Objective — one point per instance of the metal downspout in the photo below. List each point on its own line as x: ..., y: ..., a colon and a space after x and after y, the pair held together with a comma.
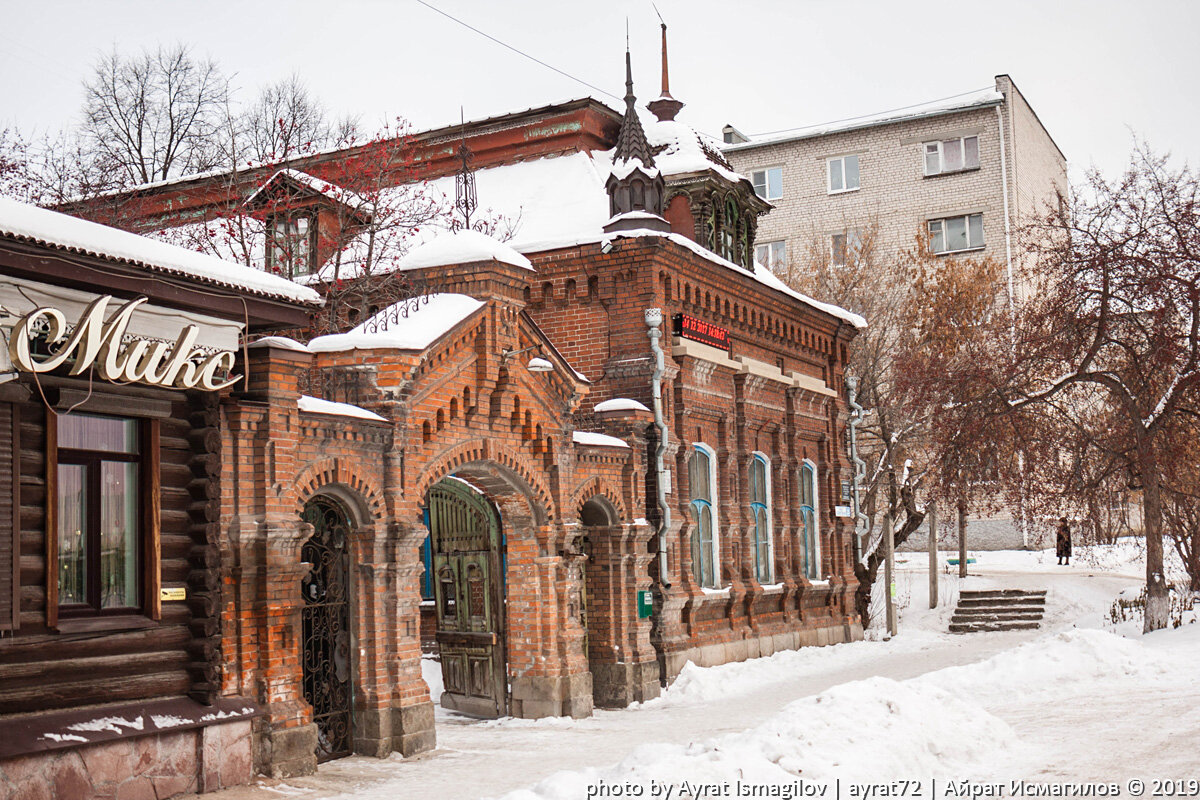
x: 653, y: 324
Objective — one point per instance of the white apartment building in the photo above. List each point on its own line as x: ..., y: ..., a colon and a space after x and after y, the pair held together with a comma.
x: 966, y: 170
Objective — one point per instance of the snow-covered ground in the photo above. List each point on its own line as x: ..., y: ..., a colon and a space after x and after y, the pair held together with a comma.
x: 1075, y: 700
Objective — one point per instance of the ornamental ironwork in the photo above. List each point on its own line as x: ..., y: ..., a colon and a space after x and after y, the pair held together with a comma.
x: 326, y: 655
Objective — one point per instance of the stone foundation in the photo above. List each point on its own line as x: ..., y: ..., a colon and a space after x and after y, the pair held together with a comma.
x: 711, y: 655
x: 618, y: 685
x: 566, y: 696
x: 151, y: 767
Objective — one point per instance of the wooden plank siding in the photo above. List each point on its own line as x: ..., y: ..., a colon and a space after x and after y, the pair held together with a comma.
x: 44, y: 669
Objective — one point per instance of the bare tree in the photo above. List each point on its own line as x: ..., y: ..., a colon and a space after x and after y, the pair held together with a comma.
x: 287, y: 121
x: 1102, y: 354
x: 918, y: 307
x: 155, y: 115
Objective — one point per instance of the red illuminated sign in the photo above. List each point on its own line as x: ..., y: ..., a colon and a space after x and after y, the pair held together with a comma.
x: 700, y: 331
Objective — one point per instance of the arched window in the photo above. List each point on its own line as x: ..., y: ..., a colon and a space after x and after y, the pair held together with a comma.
x: 810, y: 530
x: 729, y: 231
x: 703, y: 479
x: 760, y: 511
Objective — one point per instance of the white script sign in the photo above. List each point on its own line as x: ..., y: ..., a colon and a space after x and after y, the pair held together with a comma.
x: 95, y: 342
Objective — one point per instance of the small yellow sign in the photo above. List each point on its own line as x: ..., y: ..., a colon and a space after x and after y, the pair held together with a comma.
x: 173, y: 593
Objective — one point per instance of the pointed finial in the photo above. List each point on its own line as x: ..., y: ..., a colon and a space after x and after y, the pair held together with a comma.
x: 664, y: 107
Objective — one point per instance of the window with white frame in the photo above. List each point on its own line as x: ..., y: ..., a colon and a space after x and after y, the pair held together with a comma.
x: 290, y: 245
x: 952, y: 155
x: 810, y: 521
x: 771, y: 255
x: 703, y: 479
x: 760, y: 512
x: 768, y: 182
x: 844, y: 247
x: 842, y: 173
x: 954, y: 234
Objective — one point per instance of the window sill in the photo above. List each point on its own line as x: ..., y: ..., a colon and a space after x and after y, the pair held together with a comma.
x: 960, y: 252
x: 951, y: 172
x: 715, y: 592
x: 820, y: 584
x: 833, y: 192
x: 772, y: 588
x: 97, y: 624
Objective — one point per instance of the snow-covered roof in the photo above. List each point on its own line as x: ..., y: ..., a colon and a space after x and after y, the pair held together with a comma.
x: 330, y: 190
x: 315, y: 405
x: 597, y: 439
x: 620, y: 404
x: 686, y: 150
x: 282, y: 342
x: 461, y: 247
x: 978, y: 98
x: 429, y: 318
x: 25, y: 222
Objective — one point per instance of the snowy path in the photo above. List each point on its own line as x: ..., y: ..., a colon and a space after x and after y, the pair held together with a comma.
x: 486, y: 759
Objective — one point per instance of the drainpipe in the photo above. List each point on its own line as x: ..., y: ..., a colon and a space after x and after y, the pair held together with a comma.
x: 1011, y: 300
x: 653, y: 323
x: 861, y: 523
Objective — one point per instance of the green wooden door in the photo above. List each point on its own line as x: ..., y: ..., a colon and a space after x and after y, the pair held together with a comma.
x: 468, y: 591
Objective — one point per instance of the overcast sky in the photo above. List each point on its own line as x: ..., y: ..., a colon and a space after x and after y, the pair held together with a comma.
x: 1095, y: 71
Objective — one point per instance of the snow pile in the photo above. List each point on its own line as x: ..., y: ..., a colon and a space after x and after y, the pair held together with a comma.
x: 1078, y: 656
x: 877, y: 729
x: 461, y: 247
x: 23, y: 221
x: 315, y: 405
x: 873, y: 729
x: 431, y: 671
x: 282, y: 342
x: 620, y: 404
x: 429, y: 318
x: 597, y: 439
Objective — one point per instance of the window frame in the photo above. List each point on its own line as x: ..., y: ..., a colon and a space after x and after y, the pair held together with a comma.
x: 758, y: 457
x: 971, y: 245
x: 851, y: 242
x: 766, y: 173
x: 941, y: 157
x: 770, y: 263
x: 271, y: 257
x: 73, y: 618
x: 812, y: 568
x: 829, y: 162
x: 696, y: 505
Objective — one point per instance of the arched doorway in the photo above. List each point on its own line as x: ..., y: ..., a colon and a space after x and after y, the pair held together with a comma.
x: 327, y: 652
x: 468, y: 585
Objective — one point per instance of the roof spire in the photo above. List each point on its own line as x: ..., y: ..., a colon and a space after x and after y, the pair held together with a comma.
x: 635, y: 190
x: 664, y: 107
x: 631, y: 140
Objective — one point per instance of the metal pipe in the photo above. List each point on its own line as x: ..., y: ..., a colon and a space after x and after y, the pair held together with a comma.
x: 862, y: 525
x: 654, y: 319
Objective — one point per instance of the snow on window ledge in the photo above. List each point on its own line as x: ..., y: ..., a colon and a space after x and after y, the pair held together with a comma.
x: 715, y: 592
x: 772, y: 588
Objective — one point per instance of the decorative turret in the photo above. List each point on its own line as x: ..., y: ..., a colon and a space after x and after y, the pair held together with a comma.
x: 665, y: 107
x: 635, y: 187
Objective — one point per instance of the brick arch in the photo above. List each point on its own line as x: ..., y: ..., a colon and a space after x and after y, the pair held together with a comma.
x: 336, y: 472
x: 484, y: 451
x: 597, y: 486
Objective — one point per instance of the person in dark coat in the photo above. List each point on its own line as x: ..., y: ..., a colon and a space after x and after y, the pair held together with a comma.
x: 1063, y: 545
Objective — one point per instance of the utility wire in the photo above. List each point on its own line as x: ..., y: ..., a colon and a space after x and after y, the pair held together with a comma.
x: 515, y: 50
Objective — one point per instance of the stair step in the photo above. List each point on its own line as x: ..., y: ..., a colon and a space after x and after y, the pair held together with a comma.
x: 971, y: 618
x: 1001, y: 604
x: 1002, y: 593
x: 988, y: 627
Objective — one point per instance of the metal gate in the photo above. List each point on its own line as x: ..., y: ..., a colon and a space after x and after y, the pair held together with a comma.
x: 326, y: 627
x: 468, y: 591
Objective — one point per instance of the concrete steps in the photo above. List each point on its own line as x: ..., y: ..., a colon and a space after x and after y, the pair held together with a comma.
x: 985, y: 610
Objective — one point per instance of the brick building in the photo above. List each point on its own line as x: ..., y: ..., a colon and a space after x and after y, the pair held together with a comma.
x: 577, y: 499
x: 966, y: 170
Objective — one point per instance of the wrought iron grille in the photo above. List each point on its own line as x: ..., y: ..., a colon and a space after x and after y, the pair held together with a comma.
x: 327, y: 655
